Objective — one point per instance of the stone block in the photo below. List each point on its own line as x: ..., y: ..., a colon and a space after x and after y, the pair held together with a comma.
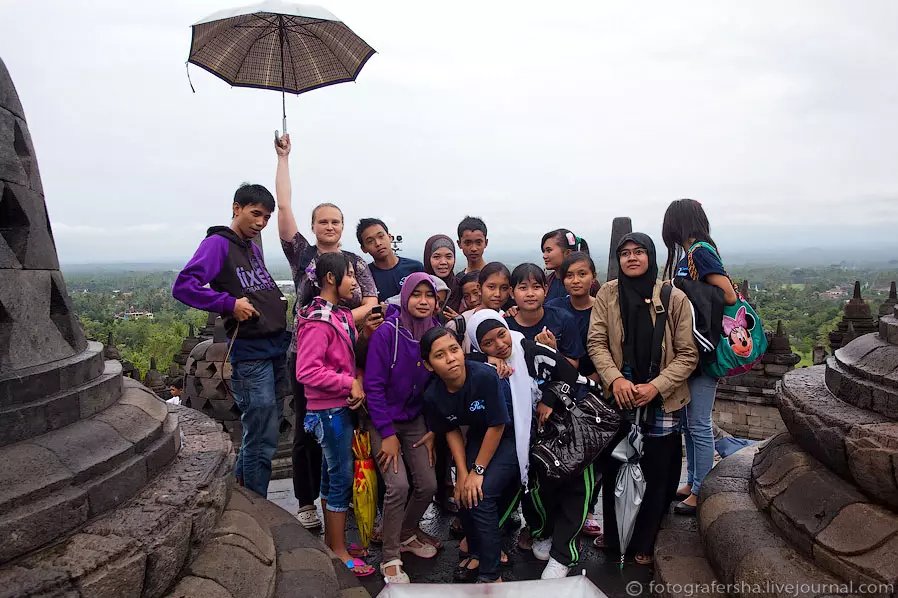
x: 166, y: 557
x: 780, y: 564
x: 858, y: 529
x: 103, y: 392
x: 121, y: 579
x: 41, y: 521
x: 812, y: 501
x: 721, y: 503
x: 872, y: 456
x: 116, y: 486
x: 133, y: 424
x: 87, y: 448
x: 134, y: 393
x: 164, y: 449
x: 241, y: 524
x: 193, y: 587
x: 30, y: 472
x: 39, y: 382
x: 776, y: 370
x: 234, y: 569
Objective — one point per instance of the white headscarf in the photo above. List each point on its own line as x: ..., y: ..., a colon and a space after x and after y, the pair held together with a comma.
x: 524, y: 392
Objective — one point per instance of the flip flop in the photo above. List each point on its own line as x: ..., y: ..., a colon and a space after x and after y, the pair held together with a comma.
x: 359, y: 567
x: 592, y: 528
x: 357, y: 550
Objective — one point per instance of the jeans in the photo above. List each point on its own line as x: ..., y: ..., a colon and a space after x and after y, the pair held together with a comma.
x: 481, y: 523
x: 698, y: 431
x: 259, y: 387
x: 401, y: 511
x: 333, y: 431
x: 306, y: 455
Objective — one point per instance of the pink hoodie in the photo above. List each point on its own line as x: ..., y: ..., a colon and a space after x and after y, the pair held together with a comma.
x: 325, y: 362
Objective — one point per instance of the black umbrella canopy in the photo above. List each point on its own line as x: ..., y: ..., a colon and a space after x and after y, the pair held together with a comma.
x: 291, y: 48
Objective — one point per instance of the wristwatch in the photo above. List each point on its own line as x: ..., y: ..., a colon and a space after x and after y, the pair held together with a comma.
x: 479, y: 469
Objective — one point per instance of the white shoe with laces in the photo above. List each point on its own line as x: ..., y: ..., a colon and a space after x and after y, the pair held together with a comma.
x: 554, y: 570
x: 541, y: 549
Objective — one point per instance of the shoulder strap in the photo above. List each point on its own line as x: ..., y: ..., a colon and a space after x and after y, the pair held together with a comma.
x: 658, y: 333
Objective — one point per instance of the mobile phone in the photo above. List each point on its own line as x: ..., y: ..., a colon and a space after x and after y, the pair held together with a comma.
x: 377, y: 310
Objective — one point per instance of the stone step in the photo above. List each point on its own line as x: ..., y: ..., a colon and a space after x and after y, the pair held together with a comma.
x: 741, y: 543
x: 27, y: 420
x: 821, y: 423
x: 140, y: 547
x: 867, y: 382
x: 31, y: 384
x: 61, y: 479
x: 827, y: 518
x: 681, y: 568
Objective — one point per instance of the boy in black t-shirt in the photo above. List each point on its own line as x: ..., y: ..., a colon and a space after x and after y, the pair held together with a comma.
x: 388, y: 269
x: 467, y: 393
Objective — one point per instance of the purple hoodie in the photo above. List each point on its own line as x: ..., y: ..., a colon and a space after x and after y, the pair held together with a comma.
x: 395, y: 376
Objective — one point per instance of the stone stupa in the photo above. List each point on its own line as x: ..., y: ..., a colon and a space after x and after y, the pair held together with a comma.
x: 106, y: 491
x: 857, y: 315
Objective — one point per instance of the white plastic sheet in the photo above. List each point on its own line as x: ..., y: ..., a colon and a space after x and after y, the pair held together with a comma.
x: 570, y: 587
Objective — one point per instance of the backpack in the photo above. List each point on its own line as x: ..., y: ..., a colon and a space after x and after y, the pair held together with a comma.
x: 730, y: 337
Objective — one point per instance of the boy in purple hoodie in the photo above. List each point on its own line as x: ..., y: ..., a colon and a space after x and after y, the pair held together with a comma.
x: 255, y: 318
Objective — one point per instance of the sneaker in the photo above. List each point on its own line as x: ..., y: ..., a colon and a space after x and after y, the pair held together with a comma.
x: 541, y: 549
x: 308, y: 517
x: 554, y: 570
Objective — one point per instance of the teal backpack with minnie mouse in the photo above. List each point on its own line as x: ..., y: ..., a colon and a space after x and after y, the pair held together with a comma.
x: 742, y: 341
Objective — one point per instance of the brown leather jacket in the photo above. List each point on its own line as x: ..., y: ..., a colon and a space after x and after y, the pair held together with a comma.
x: 605, y: 341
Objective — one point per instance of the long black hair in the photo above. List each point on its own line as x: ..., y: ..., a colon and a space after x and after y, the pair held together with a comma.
x: 566, y: 240
x: 684, y: 219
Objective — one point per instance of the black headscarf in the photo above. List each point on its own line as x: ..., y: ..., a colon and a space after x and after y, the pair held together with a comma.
x: 635, y: 296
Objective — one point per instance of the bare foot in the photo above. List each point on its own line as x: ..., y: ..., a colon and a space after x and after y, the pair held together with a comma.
x: 685, y: 489
x: 691, y: 500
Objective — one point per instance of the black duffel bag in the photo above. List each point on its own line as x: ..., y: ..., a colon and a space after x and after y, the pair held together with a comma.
x: 573, y: 436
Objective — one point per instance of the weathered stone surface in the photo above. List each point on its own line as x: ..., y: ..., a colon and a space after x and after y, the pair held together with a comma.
x: 241, y: 524
x: 781, y: 564
x: 192, y: 587
x: 37, y: 523
x: 133, y: 424
x: 234, y: 569
x: 722, y: 503
x: 116, y: 486
x: 122, y: 579
x: 859, y: 528
x: 873, y: 458
x: 819, y: 421
x: 29, y: 472
x: 134, y: 393
x: 87, y: 448
x: 41, y: 381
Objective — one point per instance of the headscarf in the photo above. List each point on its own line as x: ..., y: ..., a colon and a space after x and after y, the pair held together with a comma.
x: 439, y: 242
x: 415, y: 326
x: 524, y: 393
x: 635, y: 296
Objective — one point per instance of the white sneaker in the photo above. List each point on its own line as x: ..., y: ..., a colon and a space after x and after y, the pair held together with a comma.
x: 554, y: 570
x: 541, y: 549
x: 308, y: 517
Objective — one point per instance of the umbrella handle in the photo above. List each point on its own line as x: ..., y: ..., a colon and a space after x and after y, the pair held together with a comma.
x: 284, y: 110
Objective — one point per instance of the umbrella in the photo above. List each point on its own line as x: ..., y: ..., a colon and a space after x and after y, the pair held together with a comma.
x: 275, y: 45
x: 629, y: 487
x: 364, y: 485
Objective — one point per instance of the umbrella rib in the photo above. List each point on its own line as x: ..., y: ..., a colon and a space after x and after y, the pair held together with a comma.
x: 335, y: 54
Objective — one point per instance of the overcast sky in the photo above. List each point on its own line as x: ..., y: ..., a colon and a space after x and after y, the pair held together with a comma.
x: 781, y: 117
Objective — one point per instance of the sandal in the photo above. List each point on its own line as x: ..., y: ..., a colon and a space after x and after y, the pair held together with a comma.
x: 504, y: 561
x: 357, y: 551
x: 418, y: 548
x: 591, y: 527
x: 428, y: 539
x: 400, y: 577
x: 643, y: 559
x: 599, y: 542
x: 377, y: 536
x: 308, y: 517
x: 359, y: 567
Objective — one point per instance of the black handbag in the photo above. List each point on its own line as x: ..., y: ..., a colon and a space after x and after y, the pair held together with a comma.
x: 574, y: 437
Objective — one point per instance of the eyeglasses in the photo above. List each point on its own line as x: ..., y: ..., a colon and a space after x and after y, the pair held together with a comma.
x: 638, y: 252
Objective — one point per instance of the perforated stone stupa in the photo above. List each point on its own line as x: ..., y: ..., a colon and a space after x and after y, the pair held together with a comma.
x: 857, y: 320
x: 106, y: 491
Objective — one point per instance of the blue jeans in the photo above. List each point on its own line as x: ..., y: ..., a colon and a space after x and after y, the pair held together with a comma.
x: 481, y: 523
x: 333, y: 431
x: 259, y: 387
x: 698, y: 431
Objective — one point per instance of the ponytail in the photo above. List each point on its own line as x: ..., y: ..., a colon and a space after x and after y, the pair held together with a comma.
x: 566, y: 239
